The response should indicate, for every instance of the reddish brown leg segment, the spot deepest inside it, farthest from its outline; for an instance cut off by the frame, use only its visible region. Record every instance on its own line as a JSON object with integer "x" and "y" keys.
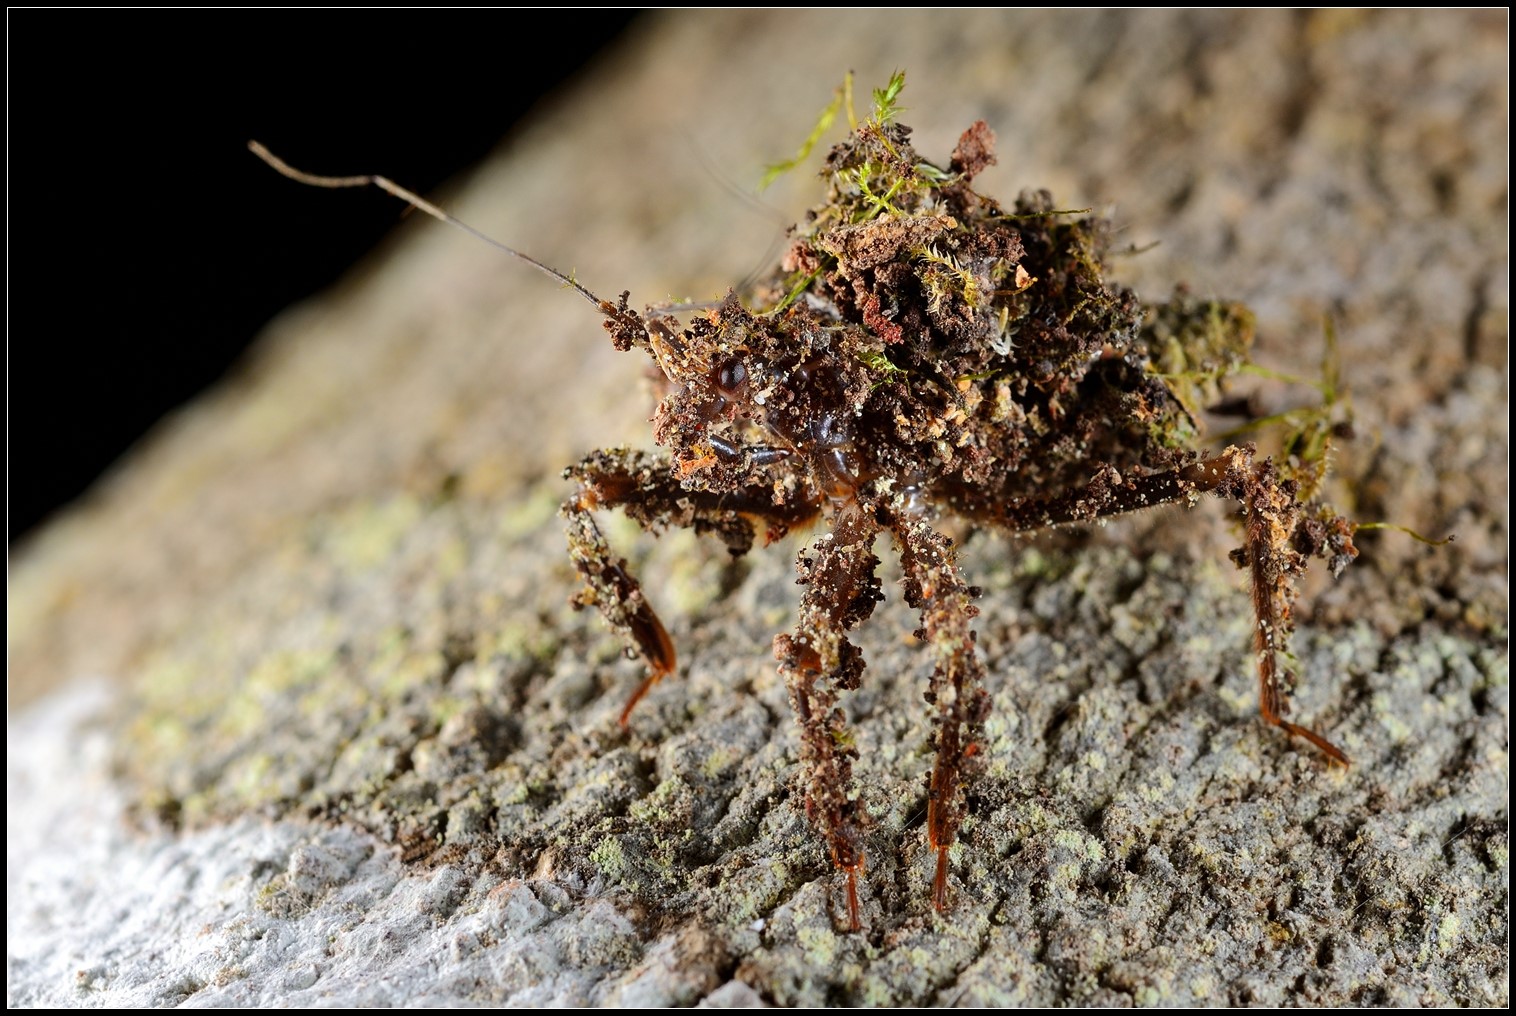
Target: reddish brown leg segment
{"x": 647, "y": 489}
{"x": 818, "y": 663}
{"x": 934, "y": 586}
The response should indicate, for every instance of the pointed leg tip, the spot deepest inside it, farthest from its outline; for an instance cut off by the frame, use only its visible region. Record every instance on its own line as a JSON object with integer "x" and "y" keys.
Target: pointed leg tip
{"x": 625, "y": 719}
{"x": 854, "y": 912}
{"x": 1335, "y": 755}
{"x": 940, "y": 881}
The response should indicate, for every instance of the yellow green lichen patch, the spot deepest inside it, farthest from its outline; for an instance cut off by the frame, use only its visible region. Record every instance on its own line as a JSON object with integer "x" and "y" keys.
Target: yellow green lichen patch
{"x": 469, "y": 819}
{"x": 1158, "y": 786}
{"x": 160, "y": 735}
{"x": 287, "y": 671}
{"x": 818, "y": 942}
{"x": 1074, "y": 853}
{"x": 1390, "y": 719}
{"x": 609, "y": 858}
{"x": 401, "y": 667}
{"x": 248, "y": 781}
{"x": 515, "y": 640}
{"x": 444, "y": 707}
{"x": 280, "y": 898}
{"x": 1449, "y": 929}
{"x": 1500, "y": 855}
{"x": 449, "y": 559}
{"x": 515, "y": 793}
{"x": 365, "y": 765}
{"x": 717, "y": 762}
{"x": 1030, "y": 817}
{"x": 367, "y": 534}
{"x": 290, "y": 674}
{"x": 657, "y": 808}
{"x": 754, "y": 889}
{"x": 1082, "y": 845}
{"x": 168, "y": 681}
{"x": 531, "y": 513}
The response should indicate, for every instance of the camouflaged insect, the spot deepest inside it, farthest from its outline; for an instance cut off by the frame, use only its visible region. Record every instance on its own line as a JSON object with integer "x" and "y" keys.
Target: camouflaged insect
{"x": 925, "y": 353}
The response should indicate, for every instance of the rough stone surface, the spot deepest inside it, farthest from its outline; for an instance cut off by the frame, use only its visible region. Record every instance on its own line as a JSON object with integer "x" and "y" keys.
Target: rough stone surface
{"x": 354, "y": 748}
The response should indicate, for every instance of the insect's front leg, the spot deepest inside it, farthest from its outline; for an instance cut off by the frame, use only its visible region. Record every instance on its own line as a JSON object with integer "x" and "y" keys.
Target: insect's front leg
{"x": 609, "y": 585}
{"x": 818, "y": 663}
{"x": 933, "y": 586}
{"x": 647, "y": 488}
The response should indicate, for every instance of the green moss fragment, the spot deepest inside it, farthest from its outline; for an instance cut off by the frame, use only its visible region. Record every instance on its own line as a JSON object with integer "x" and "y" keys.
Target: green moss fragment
{"x": 1196, "y": 344}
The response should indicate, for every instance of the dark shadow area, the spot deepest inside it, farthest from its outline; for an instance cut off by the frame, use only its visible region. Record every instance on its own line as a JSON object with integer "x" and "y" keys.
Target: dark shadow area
{"x": 141, "y": 262}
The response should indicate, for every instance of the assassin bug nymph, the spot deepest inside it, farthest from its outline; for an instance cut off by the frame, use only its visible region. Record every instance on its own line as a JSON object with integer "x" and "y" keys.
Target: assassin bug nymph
{"x": 922, "y": 353}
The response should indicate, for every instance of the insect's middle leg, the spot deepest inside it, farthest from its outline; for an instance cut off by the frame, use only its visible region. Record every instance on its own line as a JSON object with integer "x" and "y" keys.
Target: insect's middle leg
{"x": 818, "y": 663}
{"x": 933, "y": 586}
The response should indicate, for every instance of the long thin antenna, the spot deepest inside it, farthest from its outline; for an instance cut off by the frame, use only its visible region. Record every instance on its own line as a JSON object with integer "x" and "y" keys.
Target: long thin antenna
{"x": 415, "y": 200}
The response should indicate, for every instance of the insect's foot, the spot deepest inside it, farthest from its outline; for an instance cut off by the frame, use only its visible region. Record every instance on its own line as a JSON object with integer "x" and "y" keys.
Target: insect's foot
{"x": 1334, "y": 754}
{"x": 653, "y": 677}
{"x": 631, "y": 703}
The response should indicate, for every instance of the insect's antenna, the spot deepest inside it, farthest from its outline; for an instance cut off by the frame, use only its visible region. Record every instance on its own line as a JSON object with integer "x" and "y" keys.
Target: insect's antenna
{"x": 415, "y": 200}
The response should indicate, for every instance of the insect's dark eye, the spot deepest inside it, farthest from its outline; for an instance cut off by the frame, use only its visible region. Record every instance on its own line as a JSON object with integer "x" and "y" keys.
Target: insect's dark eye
{"x": 730, "y": 377}
{"x": 831, "y": 431}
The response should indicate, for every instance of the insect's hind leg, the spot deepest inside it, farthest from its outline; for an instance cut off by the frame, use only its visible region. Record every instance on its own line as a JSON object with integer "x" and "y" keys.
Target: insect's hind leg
{"x": 817, "y": 664}
{"x": 1282, "y": 533}
{"x": 934, "y": 586}
{"x": 1276, "y": 527}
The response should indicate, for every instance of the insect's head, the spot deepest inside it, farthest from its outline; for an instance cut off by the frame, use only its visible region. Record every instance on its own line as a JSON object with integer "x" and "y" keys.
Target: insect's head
{"x": 714, "y": 379}
{"x": 743, "y": 392}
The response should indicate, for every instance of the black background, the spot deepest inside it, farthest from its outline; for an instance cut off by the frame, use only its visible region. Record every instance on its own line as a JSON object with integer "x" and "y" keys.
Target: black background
{"x": 141, "y": 258}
